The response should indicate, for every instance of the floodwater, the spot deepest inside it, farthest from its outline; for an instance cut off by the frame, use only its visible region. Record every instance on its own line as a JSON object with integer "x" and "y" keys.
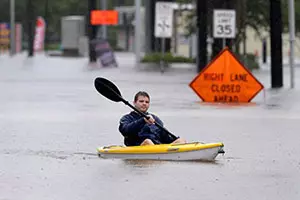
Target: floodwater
{"x": 52, "y": 120}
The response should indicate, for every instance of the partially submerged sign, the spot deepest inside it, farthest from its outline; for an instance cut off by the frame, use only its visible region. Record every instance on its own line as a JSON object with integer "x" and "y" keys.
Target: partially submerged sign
{"x": 104, "y": 52}
{"x": 226, "y": 79}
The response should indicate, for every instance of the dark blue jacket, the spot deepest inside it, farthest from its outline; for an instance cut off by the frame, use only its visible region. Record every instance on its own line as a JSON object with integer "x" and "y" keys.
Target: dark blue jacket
{"x": 135, "y": 130}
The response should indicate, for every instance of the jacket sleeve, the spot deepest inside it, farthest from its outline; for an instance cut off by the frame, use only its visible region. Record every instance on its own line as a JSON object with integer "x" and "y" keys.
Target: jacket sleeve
{"x": 129, "y": 126}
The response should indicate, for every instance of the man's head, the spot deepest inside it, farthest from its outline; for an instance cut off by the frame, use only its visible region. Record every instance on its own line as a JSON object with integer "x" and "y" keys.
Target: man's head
{"x": 142, "y": 101}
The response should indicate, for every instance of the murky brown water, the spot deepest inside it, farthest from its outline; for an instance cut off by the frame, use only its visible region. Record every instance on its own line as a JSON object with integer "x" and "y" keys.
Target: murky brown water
{"x": 52, "y": 120}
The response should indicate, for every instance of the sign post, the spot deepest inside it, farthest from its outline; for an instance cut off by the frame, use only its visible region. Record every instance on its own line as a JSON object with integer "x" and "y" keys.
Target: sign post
{"x": 104, "y": 27}
{"x": 163, "y": 25}
{"x": 224, "y": 24}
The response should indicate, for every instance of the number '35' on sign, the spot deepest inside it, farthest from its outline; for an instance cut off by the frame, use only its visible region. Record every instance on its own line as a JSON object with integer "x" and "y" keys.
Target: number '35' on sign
{"x": 224, "y": 23}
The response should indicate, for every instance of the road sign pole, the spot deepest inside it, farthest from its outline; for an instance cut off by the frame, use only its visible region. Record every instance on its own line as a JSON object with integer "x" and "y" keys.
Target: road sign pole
{"x": 162, "y": 60}
{"x": 292, "y": 39}
{"x": 104, "y": 27}
{"x": 224, "y": 42}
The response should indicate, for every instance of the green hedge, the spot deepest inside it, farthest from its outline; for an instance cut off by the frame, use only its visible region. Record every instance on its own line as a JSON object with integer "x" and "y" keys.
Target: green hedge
{"x": 168, "y": 58}
{"x": 250, "y": 61}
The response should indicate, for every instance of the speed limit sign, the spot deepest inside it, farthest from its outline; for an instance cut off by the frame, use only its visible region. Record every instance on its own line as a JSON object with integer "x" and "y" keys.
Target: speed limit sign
{"x": 224, "y": 23}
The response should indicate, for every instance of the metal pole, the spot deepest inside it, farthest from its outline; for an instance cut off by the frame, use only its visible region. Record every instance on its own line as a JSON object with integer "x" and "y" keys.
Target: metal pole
{"x": 162, "y": 61}
{"x": 191, "y": 44}
{"x": 137, "y": 31}
{"x": 104, "y": 27}
{"x": 292, "y": 39}
{"x": 12, "y": 28}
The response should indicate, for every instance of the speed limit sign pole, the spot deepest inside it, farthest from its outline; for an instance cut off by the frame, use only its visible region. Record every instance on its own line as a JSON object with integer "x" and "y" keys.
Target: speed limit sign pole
{"x": 224, "y": 24}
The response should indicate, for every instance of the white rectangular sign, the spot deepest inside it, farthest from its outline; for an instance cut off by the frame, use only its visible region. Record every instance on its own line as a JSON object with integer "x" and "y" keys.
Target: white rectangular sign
{"x": 163, "y": 19}
{"x": 224, "y": 23}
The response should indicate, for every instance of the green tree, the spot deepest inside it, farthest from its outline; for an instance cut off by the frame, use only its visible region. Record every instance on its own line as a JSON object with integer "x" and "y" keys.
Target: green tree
{"x": 56, "y": 10}
{"x": 250, "y": 13}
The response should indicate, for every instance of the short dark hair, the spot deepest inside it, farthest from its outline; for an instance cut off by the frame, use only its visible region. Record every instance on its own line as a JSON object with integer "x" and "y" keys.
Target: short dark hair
{"x": 141, "y": 93}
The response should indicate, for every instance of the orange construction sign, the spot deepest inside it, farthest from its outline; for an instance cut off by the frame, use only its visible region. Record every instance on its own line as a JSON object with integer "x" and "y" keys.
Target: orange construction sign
{"x": 104, "y": 17}
{"x": 225, "y": 79}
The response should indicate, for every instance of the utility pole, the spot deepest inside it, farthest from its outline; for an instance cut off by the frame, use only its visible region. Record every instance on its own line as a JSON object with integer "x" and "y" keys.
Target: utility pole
{"x": 92, "y": 31}
{"x": 276, "y": 44}
{"x": 201, "y": 34}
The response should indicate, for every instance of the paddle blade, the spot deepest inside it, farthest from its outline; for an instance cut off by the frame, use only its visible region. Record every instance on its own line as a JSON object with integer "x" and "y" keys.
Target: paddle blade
{"x": 107, "y": 89}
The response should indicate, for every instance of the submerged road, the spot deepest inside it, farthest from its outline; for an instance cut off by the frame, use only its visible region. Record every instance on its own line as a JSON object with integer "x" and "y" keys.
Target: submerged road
{"x": 52, "y": 120}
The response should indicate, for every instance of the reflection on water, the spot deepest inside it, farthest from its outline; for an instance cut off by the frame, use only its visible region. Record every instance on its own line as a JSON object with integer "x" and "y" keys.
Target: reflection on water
{"x": 229, "y": 105}
{"x": 142, "y": 163}
{"x": 155, "y": 163}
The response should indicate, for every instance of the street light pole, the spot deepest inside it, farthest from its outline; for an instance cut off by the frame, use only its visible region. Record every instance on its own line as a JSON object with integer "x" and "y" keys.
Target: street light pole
{"x": 292, "y": 39}
{"x": 12, "y": 28}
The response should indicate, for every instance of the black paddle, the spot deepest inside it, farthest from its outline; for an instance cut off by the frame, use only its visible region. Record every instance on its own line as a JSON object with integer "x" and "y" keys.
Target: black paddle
{"x": 110, "y": 91}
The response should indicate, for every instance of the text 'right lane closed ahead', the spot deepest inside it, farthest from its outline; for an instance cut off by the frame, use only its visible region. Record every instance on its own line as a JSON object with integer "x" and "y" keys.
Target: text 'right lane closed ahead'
{"x": 226, "y": 79}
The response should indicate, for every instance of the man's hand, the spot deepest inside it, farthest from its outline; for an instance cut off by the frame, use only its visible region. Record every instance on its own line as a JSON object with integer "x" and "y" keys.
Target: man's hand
{"x": 151, "y": 120}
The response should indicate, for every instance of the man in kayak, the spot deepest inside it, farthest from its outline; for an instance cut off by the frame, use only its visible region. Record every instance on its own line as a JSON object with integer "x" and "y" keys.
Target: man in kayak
{"x": 138, "y": 130}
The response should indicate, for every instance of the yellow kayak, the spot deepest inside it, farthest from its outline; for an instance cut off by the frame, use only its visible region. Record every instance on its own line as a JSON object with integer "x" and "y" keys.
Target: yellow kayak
{"x": 187, "y": 151}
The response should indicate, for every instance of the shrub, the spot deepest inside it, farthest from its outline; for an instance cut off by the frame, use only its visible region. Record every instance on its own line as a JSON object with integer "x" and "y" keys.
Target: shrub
{"x": 168, "y": 58}
{"x": 250, "y": 61}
